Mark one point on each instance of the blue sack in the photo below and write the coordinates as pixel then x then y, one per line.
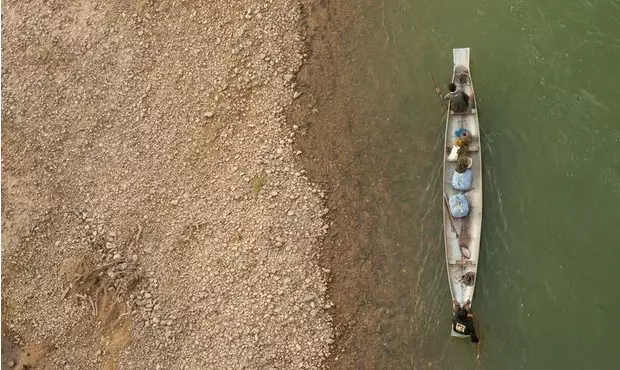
pixel 459 206
pixel 462 181
pixel 459 132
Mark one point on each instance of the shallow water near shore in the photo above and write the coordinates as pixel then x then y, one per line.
pixel 547 86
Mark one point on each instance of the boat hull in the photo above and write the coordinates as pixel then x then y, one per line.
pixel 462 235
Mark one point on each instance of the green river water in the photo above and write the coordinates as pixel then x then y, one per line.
pixel 547 84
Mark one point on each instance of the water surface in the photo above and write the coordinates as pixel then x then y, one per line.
pixel 547 86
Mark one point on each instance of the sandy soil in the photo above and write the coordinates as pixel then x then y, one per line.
pixel 154 211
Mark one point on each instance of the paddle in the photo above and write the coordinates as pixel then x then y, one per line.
pixel 438 91
pixel 479 344
pixel 445 202
pixel 467 306
pixel 477 328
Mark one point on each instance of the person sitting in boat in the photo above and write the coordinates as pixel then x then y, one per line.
pixel 463 321
pixel 459 100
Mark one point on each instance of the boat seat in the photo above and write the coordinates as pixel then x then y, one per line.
pixel 461 262
pixel 470 148
pixel 466 113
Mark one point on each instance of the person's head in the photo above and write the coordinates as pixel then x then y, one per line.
pixel 452 87
pixel 461 313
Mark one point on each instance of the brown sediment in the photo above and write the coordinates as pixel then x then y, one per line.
pixel 363 148
pixel 341 140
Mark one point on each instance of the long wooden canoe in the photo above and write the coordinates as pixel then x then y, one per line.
pixel 462 235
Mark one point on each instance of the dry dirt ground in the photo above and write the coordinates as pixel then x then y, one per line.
pixel 154 212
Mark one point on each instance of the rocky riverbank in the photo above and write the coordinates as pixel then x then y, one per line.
pixel 154 212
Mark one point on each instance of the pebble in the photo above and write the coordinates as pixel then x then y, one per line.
pixel 297 94
pixel 174 202
pixel 209 114
pixel 309 298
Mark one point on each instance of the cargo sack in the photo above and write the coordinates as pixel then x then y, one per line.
pixel 462 181
pixel 459 206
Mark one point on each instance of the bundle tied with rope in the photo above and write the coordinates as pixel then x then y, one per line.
pixel 463 177
pixel 469 278
pixel 463 162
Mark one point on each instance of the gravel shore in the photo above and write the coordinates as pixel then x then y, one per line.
pixel 154 212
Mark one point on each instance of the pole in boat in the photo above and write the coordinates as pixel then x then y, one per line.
pixel 438 91
pixel 479 344
pixel 476 328
pixel 445 202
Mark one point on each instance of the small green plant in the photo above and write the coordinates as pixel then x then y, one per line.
pixel 257 182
